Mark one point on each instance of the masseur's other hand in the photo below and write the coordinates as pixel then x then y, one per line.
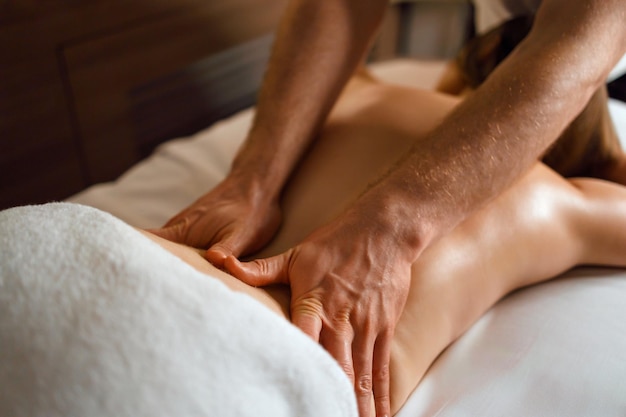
pixel 232 219
pixel 349 283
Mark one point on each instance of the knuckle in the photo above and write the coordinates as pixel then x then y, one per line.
pixel 340 318
pixel 362 356
pixel 194 214
pixel 221 246
pixel 307 306
pixel 387 332
pixel 348 370
pixel 364 384
pixel 383 399
pixel 264 266
pixel 381 373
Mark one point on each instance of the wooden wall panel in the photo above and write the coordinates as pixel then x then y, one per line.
pixel 104 71
pixel 77 79
pixel 38 154
pixel 186 101
pixel 54 143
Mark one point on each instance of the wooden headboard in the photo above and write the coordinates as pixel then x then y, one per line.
pixel 88 88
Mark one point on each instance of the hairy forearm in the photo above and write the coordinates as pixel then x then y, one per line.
pixel 500 130
pixel 318 46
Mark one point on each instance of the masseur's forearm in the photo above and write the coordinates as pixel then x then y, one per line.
pixel 317 48
pixel 498 132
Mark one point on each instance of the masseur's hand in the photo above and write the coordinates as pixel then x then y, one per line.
pixel 235 218
pixel 349 283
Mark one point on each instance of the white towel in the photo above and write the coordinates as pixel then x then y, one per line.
pixel 97 320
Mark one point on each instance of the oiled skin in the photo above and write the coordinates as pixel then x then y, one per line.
pixel 544 218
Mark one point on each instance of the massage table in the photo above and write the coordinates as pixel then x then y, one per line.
pixel 92 90
pixel 555 349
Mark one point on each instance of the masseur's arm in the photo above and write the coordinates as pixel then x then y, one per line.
pixel 317 48
pixel 349 279
pixel 498 132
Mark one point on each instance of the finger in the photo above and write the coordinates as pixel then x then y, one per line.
pixel 381 375
pixel 307 316
pixel 337 339
pixel 175 233
pixel 260 272
pixel 217 256
pixel 231 245
pixel 362 356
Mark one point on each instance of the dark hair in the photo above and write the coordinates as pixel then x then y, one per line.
pixel 589 146
pixel 483 53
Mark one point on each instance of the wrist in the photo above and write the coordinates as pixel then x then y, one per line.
pixel 250 186
pixel 393 219
pixel 256 175
pixel 266 160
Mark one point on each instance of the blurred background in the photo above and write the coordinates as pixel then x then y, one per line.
pixel 90 87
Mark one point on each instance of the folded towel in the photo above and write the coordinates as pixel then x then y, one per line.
pixel 98 320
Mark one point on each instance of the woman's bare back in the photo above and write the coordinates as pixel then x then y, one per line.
pixel 534 231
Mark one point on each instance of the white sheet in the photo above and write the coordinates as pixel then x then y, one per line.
pixel 552 350
pixel 97 320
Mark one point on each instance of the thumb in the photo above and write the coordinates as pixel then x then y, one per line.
pixel 260 272
pixel 175 233
pixel 229 246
